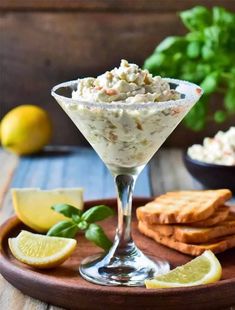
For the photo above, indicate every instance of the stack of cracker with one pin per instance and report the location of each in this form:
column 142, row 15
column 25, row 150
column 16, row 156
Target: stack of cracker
column 190, row 221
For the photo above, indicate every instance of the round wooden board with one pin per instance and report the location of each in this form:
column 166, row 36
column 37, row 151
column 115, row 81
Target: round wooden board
column 63, row 286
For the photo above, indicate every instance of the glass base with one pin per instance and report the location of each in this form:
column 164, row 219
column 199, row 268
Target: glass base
column 125, row 269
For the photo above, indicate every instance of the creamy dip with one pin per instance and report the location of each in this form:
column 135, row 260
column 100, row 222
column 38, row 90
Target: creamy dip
column 217, row 150
column 128, row 83
column 118, row 120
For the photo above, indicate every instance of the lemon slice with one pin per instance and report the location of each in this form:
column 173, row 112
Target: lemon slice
column 41, row 251
column 204, row 269
column 33, row 206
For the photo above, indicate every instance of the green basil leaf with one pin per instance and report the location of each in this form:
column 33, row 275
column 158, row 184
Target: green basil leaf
column 212, row 35
column 97, row 213
column 65, row 229
column 195, row 74
column 222, row 17
column 188, row 70
column 66, row 210
column 229, row 100
column 173, row 44
column 220, row 116
column 96, row 234
column 208, row 52
column 76, row 218
column 195, row 36
column 196, row 18
column 210, row 40
column 193, row 50
column 203, row 69
column 178, row 57
column 210, row 83
column 153, row 62
column 196, row 118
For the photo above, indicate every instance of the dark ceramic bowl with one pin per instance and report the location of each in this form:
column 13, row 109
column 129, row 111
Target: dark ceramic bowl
column 212, row 176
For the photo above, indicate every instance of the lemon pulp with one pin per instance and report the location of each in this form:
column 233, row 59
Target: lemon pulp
column 41, row 251
column 204, row 269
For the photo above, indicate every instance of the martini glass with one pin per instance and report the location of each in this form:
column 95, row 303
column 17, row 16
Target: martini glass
column 125, row 136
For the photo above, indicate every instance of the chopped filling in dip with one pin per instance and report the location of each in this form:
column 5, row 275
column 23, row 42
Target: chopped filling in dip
column 217, row 150
column 127, row 134
column 128, row 83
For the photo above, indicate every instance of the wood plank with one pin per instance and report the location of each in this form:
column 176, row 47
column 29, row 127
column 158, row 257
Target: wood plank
column 108, row 5
column 70, row 290
column 67, row 169
column 59, row 169
column 67, row 46
column 168, row 173
column 56, row 169
column 8, row 164
column 57, row 308
column 7, row 210
column 13, row 299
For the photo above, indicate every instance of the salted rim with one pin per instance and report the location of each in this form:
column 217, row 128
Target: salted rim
column 191, row 96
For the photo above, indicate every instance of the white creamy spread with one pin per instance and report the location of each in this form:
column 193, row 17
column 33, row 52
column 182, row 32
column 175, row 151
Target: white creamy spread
column 125, row 136
column 217, row 150
column 128, row 83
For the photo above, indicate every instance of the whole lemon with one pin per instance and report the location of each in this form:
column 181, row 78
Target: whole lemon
column 26, row 129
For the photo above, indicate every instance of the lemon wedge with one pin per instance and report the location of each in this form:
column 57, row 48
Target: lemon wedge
column 33, row 206
column 204, row 269
column 41, row 251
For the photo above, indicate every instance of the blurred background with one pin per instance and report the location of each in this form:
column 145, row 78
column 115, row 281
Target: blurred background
column 43, row 43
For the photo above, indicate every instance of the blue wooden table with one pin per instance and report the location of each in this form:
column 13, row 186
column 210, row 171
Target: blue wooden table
column 72, row 167
column 78, row 167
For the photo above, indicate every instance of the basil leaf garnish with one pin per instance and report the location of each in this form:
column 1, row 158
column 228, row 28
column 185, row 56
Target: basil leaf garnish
column 97, row 213
column 66, row 229
column 66, row 210
column 96, row 234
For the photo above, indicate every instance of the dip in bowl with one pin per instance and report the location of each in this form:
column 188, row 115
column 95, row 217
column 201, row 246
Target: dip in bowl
column 213, row 163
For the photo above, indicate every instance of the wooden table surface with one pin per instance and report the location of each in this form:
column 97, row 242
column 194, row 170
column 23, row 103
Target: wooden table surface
column 78, row 167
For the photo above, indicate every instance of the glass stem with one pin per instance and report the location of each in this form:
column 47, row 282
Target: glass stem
column 125, row 186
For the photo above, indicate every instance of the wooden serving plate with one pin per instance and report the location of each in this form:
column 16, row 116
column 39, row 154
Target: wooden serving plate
column 63, row 286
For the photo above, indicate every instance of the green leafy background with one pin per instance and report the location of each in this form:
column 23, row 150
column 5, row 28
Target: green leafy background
column 206, row 56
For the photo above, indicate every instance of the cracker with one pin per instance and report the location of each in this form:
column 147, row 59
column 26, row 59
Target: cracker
column 183, row 206
column 216, row 246
column 220, row 214
column 189, row 234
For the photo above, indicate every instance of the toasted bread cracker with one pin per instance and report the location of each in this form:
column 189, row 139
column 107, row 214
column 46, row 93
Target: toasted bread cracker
column 183, row 206
column 220, row 214
column 216, row 246
column 189, row 234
